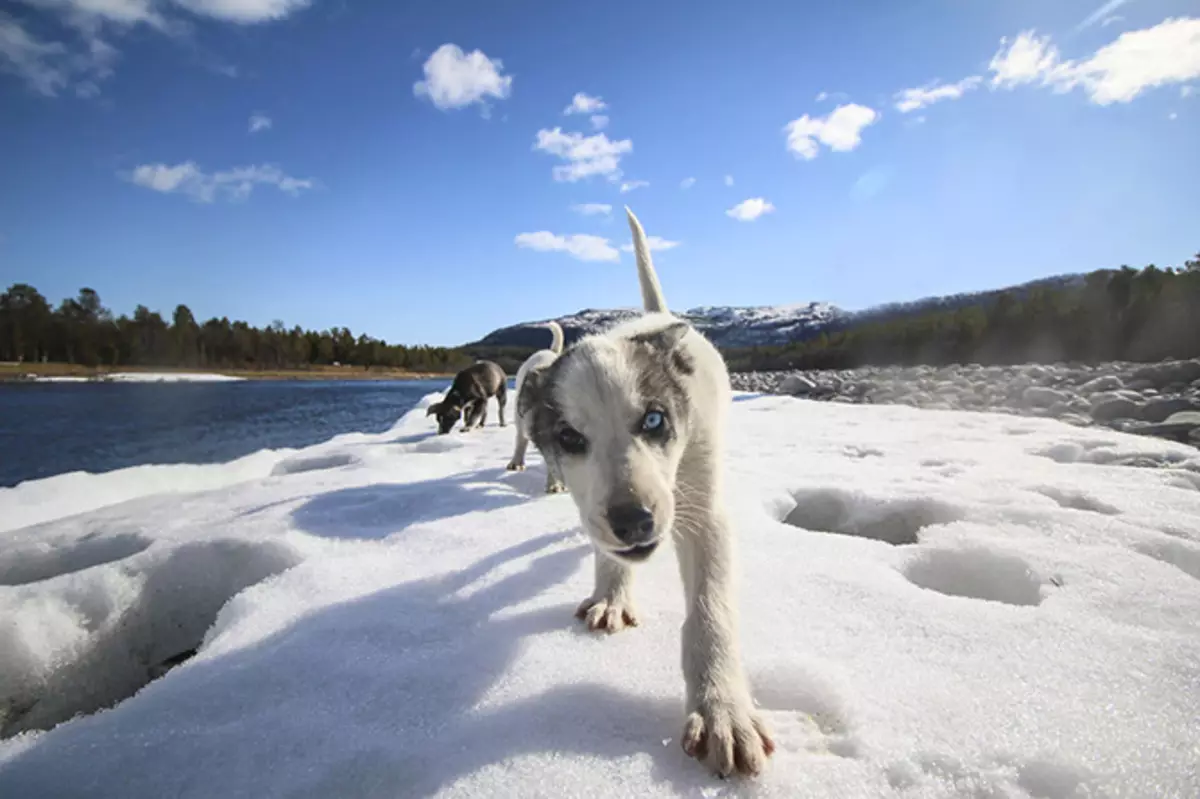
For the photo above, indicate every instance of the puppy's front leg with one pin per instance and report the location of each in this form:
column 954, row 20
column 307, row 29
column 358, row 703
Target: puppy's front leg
column 722, row 728
column 610, row 606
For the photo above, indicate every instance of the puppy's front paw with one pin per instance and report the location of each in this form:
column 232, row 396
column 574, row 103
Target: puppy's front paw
column 607, row 614
column 513, row 466
column 728, row 737
column 555, row 488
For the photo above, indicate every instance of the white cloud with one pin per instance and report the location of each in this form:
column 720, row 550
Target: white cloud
column 48, row 67
column 749, row 210
column 232, row 184
column 822, row 97
column 599, row 121
column 914, row 99
column 1185, row 92
column 687, row 183
column 581, row 246
column 259, row 122
column 1104, row 15
column 585, row 155
column 1115, row 18
column 1172, row 116
column 729, row 180
column 592, row 209
column 1135, row 62
column 585, row 104
column 655, row 243
column 454, row 79
column 841, row 130
column 633, row 185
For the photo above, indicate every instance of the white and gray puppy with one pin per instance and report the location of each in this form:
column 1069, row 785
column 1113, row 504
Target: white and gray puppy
column 535, row 363
column 634, row 420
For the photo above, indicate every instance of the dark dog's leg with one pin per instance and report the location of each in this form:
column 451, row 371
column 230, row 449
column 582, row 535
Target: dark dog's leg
column 501, row 399
column 476, row 414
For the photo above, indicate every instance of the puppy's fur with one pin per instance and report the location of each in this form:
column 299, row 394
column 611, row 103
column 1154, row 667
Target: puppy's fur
column 469, row 394
column 537, row 362
column 634, row 420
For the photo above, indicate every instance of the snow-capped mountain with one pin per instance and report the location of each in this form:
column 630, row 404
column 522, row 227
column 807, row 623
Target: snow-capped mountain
column 765, row 325
column 724, row 325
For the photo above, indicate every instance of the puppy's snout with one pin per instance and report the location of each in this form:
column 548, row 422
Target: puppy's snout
column 631, row 523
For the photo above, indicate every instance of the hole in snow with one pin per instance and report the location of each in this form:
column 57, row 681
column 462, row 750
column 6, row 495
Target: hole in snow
column 1182, row 556
column 976, row 573
column 312, row 463
column 1045, row 779
column 894, row 521
column 94, row 643
column 37, row 563
column 1075, row 500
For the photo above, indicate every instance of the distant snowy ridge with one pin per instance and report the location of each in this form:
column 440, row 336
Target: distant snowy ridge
column 730, row 326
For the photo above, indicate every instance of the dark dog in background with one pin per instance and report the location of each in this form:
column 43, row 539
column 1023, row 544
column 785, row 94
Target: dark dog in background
column 468, row 397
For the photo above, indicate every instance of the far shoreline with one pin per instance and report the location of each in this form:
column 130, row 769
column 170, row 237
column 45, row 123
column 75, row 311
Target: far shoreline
column 20, row 372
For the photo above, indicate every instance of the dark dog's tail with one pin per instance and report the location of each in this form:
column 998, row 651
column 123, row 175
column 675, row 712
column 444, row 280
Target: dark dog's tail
column 556, row 342
column 652, row 296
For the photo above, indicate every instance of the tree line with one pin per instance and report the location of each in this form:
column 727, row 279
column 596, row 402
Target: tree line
column 82, row 331
column 1147, row 314
column 1110, row 314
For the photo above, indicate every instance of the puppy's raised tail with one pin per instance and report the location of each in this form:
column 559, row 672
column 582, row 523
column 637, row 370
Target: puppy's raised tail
column 556, row 332
column 652, row 296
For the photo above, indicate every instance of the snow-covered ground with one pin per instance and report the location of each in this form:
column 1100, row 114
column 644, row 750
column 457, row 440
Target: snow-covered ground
column 934, row 604
column 144, row 377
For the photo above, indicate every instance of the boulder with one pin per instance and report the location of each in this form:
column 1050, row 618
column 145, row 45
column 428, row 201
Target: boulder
column 1105, row 383
column 1159, row 408
column 1043, row 397
column 1163, row 374
column 1106, row 410
column 1177, row 426
column 797, row 386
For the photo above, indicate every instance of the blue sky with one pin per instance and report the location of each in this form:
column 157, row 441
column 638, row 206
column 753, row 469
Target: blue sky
column 410, row 170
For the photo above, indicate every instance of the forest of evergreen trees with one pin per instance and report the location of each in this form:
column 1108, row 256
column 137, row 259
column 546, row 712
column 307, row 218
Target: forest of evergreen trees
column 1123, row 314
column 82, row 331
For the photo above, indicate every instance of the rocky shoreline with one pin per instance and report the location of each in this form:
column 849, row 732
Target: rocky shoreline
column 1158, row 399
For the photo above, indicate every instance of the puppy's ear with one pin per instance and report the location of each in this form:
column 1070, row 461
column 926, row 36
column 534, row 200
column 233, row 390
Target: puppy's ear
column 433, row 408
column 666, row 339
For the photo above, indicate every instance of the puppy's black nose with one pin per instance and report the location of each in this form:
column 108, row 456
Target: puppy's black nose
column 632, row 524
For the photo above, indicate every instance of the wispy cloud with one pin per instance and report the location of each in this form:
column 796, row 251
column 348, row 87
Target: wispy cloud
column 581, row 246
column 1137, row 61
column 260, row 122
column 599, row 121
column 633, row 185
column 751, row 209
column 583, row 103
column 840, row 131
column 87, row 56
column 655, row 243
column 1104, row 15
column 687, row 183
column 585, row 156
column 914, row 99
column 729, row 180
column 592, row 209
column 232, row 184
column 454, row 79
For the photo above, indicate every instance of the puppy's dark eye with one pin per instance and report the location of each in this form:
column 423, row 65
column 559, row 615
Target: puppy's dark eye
column 654, row 423
column 571, row 440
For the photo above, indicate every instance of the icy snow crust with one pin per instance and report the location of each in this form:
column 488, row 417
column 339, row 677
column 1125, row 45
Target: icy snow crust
column 145, row 377
column 934, row 604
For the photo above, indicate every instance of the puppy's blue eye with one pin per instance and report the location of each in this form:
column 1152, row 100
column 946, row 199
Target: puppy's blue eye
column 652, row 422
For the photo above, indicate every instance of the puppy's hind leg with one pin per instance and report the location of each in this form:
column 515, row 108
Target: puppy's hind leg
column 722, row 727
column 610, row 607
column 502, row 400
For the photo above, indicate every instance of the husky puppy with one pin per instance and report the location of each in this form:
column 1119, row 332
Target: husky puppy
column 536, row 362
column 634, row 420
column 468, row 396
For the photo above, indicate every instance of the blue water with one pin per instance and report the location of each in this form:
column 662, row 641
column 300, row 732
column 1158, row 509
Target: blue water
column 51, row 428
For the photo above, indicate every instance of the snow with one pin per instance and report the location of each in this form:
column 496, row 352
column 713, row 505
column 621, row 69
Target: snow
column 933, row 604
column 145, row 377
